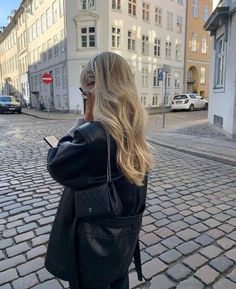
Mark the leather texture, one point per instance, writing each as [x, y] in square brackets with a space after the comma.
[98, 251]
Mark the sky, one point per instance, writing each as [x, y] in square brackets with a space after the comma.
[7, 5]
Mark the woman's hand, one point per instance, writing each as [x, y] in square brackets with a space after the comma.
[89, 107]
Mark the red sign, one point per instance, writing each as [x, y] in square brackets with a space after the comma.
[47, 78]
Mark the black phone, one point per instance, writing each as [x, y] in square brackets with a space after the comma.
[51, 140]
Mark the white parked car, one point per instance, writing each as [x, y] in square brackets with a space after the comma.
[189, 101]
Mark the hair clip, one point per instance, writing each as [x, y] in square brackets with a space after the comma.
[92, 63]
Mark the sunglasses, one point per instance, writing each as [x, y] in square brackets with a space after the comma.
[83, 91]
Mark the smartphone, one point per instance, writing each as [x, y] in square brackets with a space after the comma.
[51, 140]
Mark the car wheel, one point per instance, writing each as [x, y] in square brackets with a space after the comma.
[191, 108]
[205, 106]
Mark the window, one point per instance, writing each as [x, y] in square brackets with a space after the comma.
[144, 100]
[179, 27]
[168, 80]
[158, 16]
[203, 75]
[50, 52]
[204, 44]
[177, 80]
[145, 44]
[195, 8]
[57, 78]
[39, 50]
[43, 22]
[116, 4]
[169, 20]
[49, 17]
[194, 42]
[116, 34]
[146, 11]
[55, 11]
[144, 77]
[220, 62]
[64, 76]
[61, 7]
[44, 52]
[131, 40]
[87, 4]
[132, 7]
[38, 28]
[56, 45]
[156, 83]
[36, 82]
[168, 49]
[155, 100]
[157, 47]
[88, 37]
[33, 31]
[178, 48]
[205, 13]
[62, 40]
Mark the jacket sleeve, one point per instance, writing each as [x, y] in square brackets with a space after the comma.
[68, 163]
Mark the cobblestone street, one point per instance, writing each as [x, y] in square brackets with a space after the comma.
[188, 239]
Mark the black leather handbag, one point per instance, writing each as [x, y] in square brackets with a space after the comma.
[102, 200]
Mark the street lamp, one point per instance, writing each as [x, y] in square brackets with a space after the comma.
[26, 8]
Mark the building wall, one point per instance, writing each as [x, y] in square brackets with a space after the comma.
[105, 18]
[222, 102]
[197, 58]
[37, 55]
[9, 74]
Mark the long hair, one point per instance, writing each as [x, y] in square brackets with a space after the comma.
[118, 107]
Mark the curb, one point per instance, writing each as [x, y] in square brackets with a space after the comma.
[208, 156]
[46, 117]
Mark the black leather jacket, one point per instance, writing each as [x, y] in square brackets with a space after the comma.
[91, 252]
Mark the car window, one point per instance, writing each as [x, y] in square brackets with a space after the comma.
[5, 98]
[182, 96]
[192, 96]
[199, 97]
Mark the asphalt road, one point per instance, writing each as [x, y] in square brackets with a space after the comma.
[188, 238]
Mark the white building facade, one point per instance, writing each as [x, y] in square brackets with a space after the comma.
[222, 97]
[59, 37]
[147, 34]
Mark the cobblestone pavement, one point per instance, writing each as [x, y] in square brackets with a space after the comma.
[188, 239]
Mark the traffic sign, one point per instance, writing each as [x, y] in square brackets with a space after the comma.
[47, 78]
[160, 74]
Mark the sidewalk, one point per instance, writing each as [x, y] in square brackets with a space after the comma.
[202, 139]
[223, 151]
[51, 115]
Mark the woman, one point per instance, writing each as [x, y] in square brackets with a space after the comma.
[96, 253]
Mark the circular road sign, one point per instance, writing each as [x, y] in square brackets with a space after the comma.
[47, 78]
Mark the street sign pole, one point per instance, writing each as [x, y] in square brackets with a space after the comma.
[47, 79]
[166, 69]
[164, 98]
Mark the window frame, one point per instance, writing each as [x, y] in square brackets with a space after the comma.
[220, 56]
[132, 8]
[116, 36]
[87, 34]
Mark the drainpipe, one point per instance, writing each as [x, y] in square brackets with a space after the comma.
[185, 49]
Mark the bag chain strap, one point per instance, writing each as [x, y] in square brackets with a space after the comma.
[108, 157]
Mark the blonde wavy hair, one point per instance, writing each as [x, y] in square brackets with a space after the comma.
[118, 107]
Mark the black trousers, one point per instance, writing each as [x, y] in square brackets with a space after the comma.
[121, 283]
